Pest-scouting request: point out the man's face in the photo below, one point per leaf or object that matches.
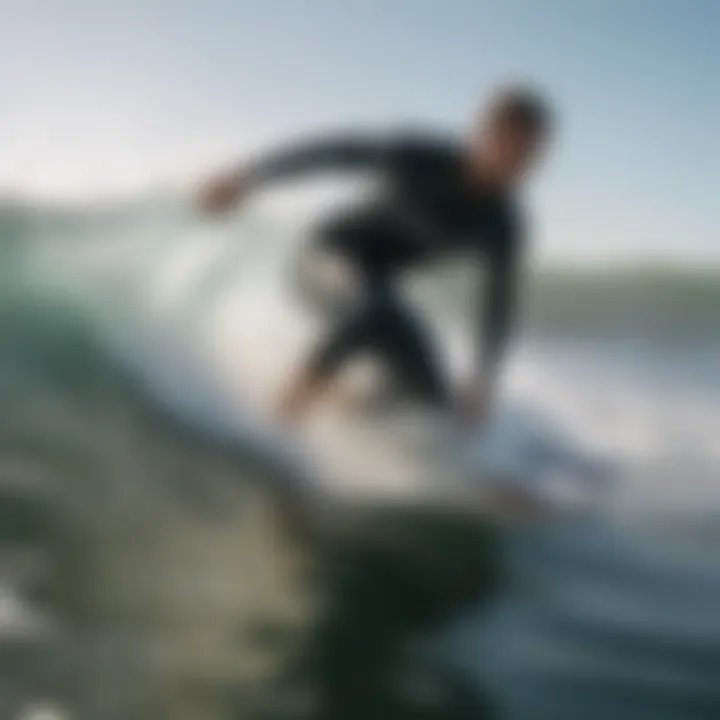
(507, 150)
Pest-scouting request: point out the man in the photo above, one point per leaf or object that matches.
(442, 197)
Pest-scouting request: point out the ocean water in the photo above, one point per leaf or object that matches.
(617, 614)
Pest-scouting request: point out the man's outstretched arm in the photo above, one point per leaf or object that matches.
(339, 153)
(350, 152)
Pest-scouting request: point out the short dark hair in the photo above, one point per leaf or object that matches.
(522, 107)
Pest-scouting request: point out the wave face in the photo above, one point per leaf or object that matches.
(138, 342)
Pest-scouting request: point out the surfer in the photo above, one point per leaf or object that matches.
(442, 197)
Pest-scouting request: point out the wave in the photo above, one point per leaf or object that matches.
(186, 572)
(179, 566)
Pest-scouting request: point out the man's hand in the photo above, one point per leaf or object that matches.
(222, 193)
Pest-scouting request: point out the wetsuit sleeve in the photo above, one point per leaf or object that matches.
(401, 154)
(498, 305)
(340, 153)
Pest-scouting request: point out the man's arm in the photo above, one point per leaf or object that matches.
(496, 316)
(338, 153)
(394, 153)
(228, 189)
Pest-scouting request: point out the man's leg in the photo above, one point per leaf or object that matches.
(384, 328)
(352, 334)
(412, 357)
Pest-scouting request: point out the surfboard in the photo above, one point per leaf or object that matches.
(362, 443)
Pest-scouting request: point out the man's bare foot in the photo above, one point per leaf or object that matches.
(299, 396)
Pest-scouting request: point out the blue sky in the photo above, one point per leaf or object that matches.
(105, 95)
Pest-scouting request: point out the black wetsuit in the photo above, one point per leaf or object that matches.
(430, 209)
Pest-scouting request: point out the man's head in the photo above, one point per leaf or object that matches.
(512, 130)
